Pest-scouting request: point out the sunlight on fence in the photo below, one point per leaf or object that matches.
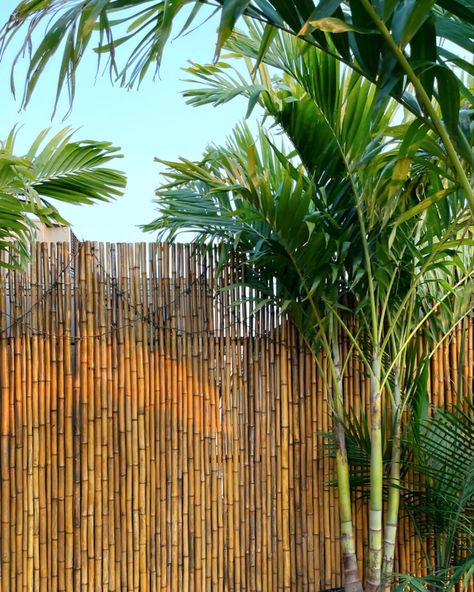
(157, 436)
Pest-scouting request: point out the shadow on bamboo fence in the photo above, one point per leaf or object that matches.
(156, 436)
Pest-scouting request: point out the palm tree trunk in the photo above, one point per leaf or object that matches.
(374, 575)
(394, 490)
(352, 582)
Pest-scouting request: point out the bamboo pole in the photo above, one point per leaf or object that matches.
(18, 395)
(5, 440)
(77, 409)
(54, 420)
(162, 470)
(175, 388)
(82, 485)
(155, 369)
(68, 442)
(26, 399)
(95, 519)
(187, 443)
(102, 576)
(58, 434)
(114, 411)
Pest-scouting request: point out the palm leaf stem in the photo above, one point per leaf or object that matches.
(374, 572)
(390, 532)
(420, 324)
(352, 581)
(435, 250)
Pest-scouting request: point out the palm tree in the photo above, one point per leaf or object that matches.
(345, 226)
(399, 46)
(54, 169)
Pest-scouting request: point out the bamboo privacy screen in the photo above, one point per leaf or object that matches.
(156, 437)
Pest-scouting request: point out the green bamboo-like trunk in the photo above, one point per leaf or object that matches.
(352, 582)
(391, 522)
(374, 573)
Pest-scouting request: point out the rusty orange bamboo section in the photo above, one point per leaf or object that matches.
(158, 433)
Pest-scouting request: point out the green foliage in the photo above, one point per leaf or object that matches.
(347, 29)
(441, 502)
(398, 45)
(250, 197)
(443, 507)
(54, 168)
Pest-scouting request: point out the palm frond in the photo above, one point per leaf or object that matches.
(442, 505)
(144, 27)
(58, 169)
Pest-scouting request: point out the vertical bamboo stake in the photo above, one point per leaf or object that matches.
(11, 459)
(316, 492)
(206, 394)
(118, 470)
(227, 439)
(43, 403)
(187, 443)
(164, 310)
(274, 432)
(28, 580)
(68, 424)
(139, 297)
(309, 475)
(76, 409)
(58, 343)
(95, 524)
(81, 488)
(301, 507)
(174, 394)
(27, 460)
(237, 420)
(265, 437)
(20, 434)
(250, 510)
(90, 534)
(121, 475)
(130, 574)
(115, 433)
(154, 422)
(196, 434)
(4, 440)
(102, 575)
(145, 419)
(35, 423)
(55, 424)
(285, 460)
(293, 459)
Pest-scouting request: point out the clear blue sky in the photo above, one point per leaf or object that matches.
(153, 121)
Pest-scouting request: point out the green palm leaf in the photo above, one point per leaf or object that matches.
(57, 168)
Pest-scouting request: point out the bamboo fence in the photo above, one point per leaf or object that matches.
(158, 434)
